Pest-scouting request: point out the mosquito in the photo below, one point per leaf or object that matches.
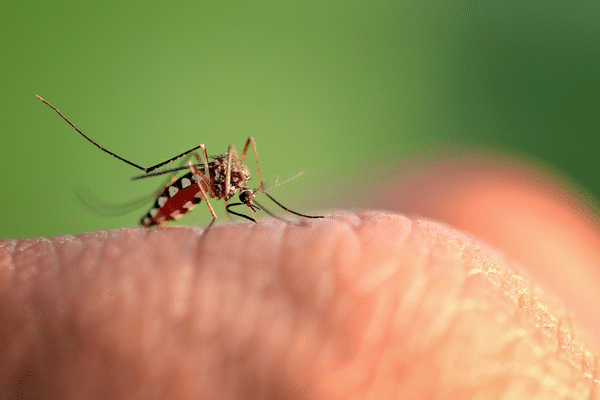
(220, 178)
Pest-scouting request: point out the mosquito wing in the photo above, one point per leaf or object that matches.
(105, 209)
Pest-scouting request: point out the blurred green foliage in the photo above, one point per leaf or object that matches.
(330, 88)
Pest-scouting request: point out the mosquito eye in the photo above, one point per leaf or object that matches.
(246, 196)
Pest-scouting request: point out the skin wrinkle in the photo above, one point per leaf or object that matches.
(451, 320)
(534, 310)
(344, 350)
(355, 377)
(535, 313)
(302, 277)
(304, 345)
(371, 272)
(267, 362)
(416, 338)
(532, 214)
(417, 262)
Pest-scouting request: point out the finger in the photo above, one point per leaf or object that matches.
(355, 306)
(534, 219)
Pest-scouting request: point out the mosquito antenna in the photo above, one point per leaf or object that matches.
(105, 209)
(284, 182)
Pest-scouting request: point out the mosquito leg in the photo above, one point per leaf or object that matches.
(206, 168)
(209, 225)
(185, 153)
(203, 160)
(203, 181)
(206, 179)
(89, 139)
(245, 151)
(152, 168)
(231, 156)
(227, 212)
(230, 153)
(172, 177)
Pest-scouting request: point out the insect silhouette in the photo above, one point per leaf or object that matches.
(220, 178)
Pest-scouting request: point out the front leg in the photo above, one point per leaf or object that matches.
(202, 182)
(245, 151)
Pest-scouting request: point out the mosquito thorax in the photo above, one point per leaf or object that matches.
(240, 174)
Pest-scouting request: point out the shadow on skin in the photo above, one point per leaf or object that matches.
(367, 305)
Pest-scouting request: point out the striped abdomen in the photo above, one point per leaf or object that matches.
(176, 200)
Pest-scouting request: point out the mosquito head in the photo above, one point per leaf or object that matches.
(247, 196)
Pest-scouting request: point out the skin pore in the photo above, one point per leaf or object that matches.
(355, 306)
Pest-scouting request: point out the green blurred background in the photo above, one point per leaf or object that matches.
(334, 89)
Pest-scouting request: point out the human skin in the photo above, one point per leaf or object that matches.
(534, 218)
(353, 306)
